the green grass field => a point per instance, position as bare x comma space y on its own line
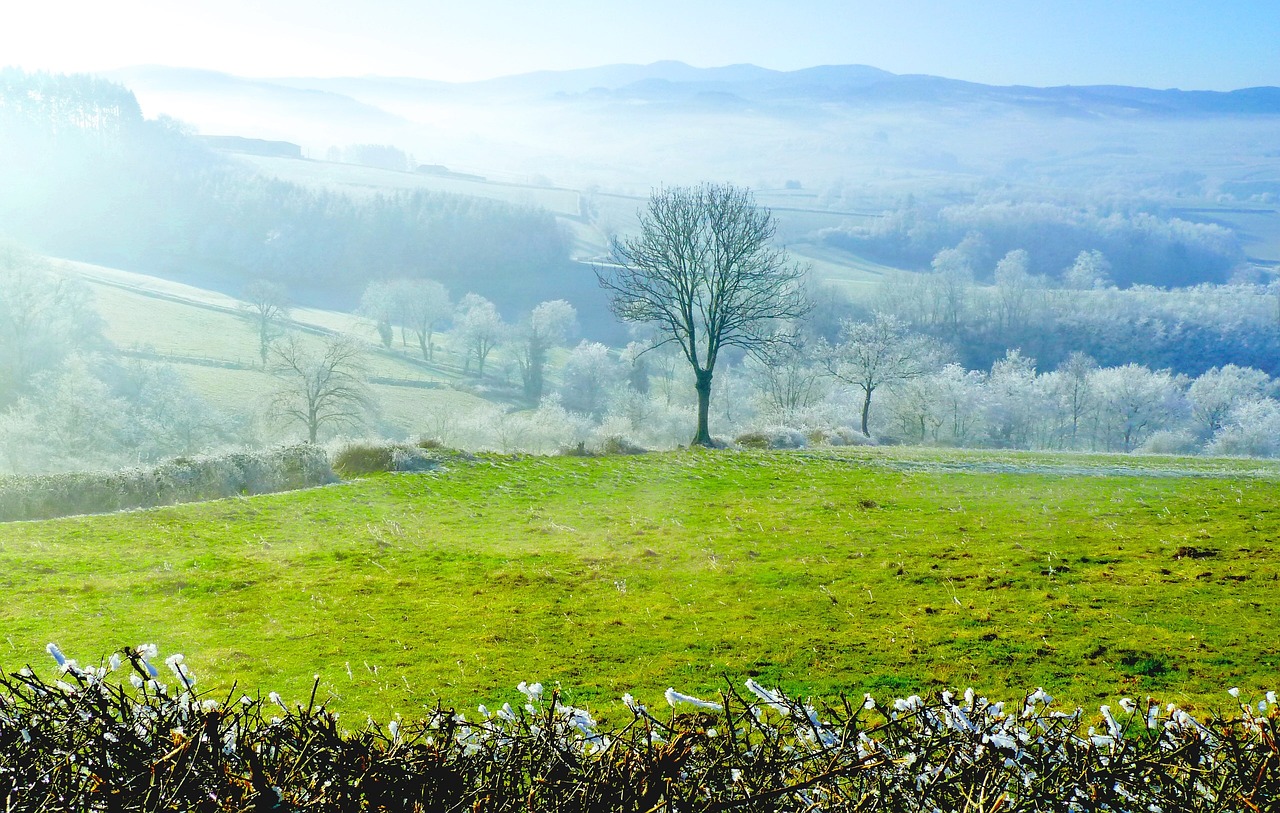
883, 571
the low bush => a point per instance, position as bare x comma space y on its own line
355, 459
617, 444
844, 436
89, 741
180, 480
779, 437
366, 457
1164, 441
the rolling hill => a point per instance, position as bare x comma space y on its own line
845, 138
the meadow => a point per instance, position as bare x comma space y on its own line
886, 571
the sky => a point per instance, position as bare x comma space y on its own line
1189, 44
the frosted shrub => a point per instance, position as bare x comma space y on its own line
614, 435
774, 437
840, 435
1253, 429
367, 457
1169, 441
554, 427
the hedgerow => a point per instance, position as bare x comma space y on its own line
181, 480
89, 741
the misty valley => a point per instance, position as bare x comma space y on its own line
851, 385
1064, 314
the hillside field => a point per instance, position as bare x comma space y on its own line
206, 338
887, 571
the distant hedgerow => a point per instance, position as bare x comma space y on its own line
180, 480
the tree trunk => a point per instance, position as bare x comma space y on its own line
264, 341
532, 373
866, 412
703, 385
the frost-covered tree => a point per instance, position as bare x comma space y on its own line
1220, 390
378, 304
960, 399
1015, 402
1251, 429
590, 376
1015, 289
1090, 271
44, 317
479, 328
879, 353
422, 306
948, 288
547, 326
164, 416
1072, 388
787, 383
1132, 402
70, 421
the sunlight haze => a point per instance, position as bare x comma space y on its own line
1182, 44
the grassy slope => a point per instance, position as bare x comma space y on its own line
177, 323
862, 571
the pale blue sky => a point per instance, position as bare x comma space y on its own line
1192, 44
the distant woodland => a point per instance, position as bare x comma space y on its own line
87, 177
1142, 248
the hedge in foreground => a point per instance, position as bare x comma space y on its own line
182, 480
88, 742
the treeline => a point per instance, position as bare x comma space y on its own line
814, 394
84, 175
1188, 331
1143, 248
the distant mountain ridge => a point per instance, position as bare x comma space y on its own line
853, 84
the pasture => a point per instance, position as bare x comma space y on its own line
872, 570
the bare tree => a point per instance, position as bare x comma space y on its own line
878, 353
266, 305
704, 272
322, 389
547, 326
